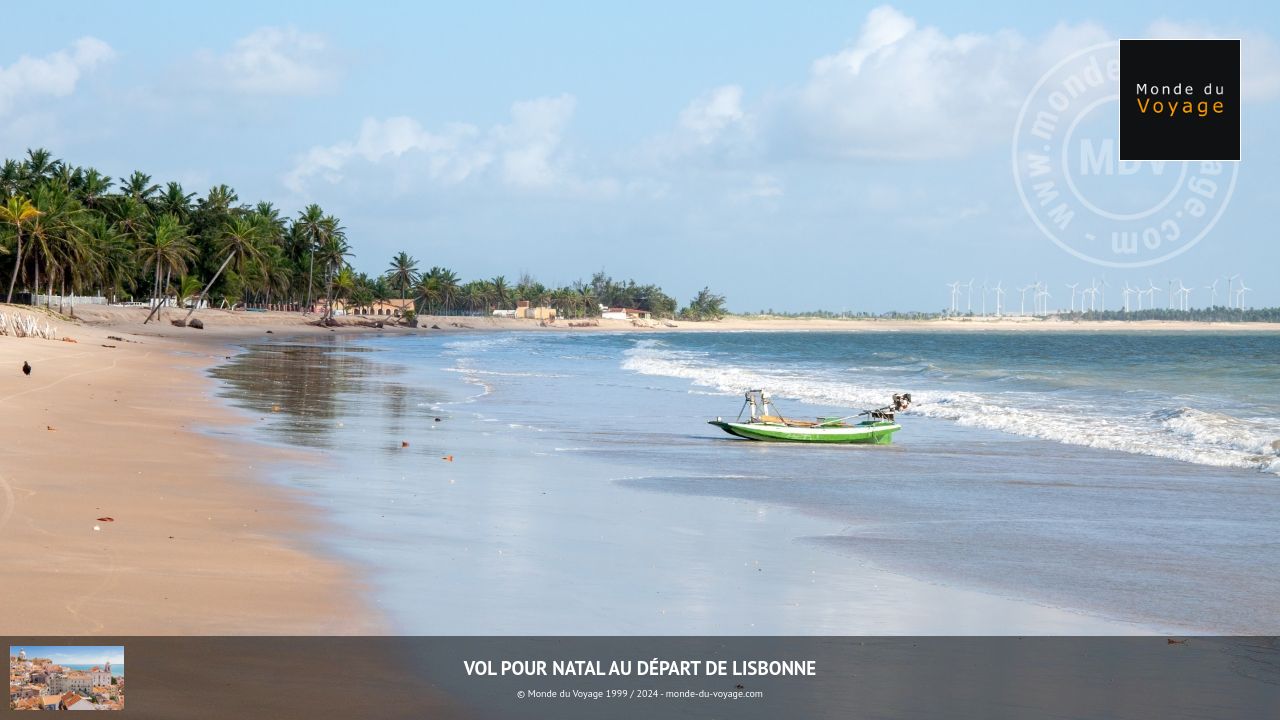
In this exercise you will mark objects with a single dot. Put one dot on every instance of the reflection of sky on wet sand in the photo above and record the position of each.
(310, 388)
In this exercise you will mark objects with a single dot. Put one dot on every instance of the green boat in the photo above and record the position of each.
(766, 423)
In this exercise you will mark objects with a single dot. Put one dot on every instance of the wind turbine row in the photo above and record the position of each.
(1093, 297)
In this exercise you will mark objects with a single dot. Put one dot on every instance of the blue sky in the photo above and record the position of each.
(726, 144)
(74, 654)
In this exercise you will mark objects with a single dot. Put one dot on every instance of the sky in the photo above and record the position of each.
(74, 654)
(842, 156)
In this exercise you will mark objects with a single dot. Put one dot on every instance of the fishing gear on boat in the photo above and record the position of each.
(901, 403)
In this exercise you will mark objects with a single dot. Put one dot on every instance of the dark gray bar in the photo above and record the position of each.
(900, 677)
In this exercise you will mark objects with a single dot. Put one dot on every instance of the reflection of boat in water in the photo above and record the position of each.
(765, 422)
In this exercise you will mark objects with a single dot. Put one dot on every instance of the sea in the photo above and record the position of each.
(116, 670)
(568, 483)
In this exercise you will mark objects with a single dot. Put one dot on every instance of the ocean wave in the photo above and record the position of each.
(1181, 433)
(499, 373)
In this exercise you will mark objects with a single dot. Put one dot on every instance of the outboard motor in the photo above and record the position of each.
(901, 402)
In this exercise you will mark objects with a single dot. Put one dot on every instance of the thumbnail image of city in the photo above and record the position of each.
(66, 677)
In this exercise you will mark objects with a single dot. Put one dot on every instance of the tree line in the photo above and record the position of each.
(70, 230)
(75, 230)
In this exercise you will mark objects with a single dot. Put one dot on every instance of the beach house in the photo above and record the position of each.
(624, 313)
(394, 307)
(524, 309)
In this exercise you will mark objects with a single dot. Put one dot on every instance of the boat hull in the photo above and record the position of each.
(878, 434)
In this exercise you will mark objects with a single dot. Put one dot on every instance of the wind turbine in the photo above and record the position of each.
(1073, 287)
(1128, 292)
(1230, 280)
(1213, 290)
(1103, 290)
(999, 298)
(984, 297)
(955, 291)
(1240, 294)
(1022, 303)
(969, 305)
(1042, 294)
(1151, 294)
(1184, 296)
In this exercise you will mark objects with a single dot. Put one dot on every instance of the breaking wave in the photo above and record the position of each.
(1179, 433)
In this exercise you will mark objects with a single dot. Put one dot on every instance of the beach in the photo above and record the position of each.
(269, 476)
(120, 424)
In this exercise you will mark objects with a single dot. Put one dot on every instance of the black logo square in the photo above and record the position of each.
(1179, 99)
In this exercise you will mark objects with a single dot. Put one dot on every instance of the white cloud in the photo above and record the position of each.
(524, 153)
(274, 61)
(1259, 57)
(54, 75)
(708, 116)
(903, 90)
(529, 143)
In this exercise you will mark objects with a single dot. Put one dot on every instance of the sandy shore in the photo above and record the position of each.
(110, 427)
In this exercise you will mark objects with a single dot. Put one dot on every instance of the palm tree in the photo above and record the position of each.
(92, 188)
(17, 211)
(501, 293)
(10, 178)
(403, 273)
(446, 285)
(139, 187)
(38, 167)
(311, 222)
(175, 201)
(55, 236)
(426, 293)
(345, 284)
(167, 249)
(188, 286)
(115, 267)
(332, 256)
(239, 243)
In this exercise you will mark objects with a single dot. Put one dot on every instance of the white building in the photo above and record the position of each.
(74, 681)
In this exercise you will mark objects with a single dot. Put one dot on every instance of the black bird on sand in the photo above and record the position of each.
(26, 368)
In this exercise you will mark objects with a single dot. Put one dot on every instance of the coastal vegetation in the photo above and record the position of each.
(67, 230)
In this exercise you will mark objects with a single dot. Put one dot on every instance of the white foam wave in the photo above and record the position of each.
(1181, 433)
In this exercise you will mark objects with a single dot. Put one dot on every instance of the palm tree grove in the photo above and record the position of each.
(70, 231)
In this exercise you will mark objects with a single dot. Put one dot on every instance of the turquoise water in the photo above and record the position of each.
(116, 670)
(1130, 478)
